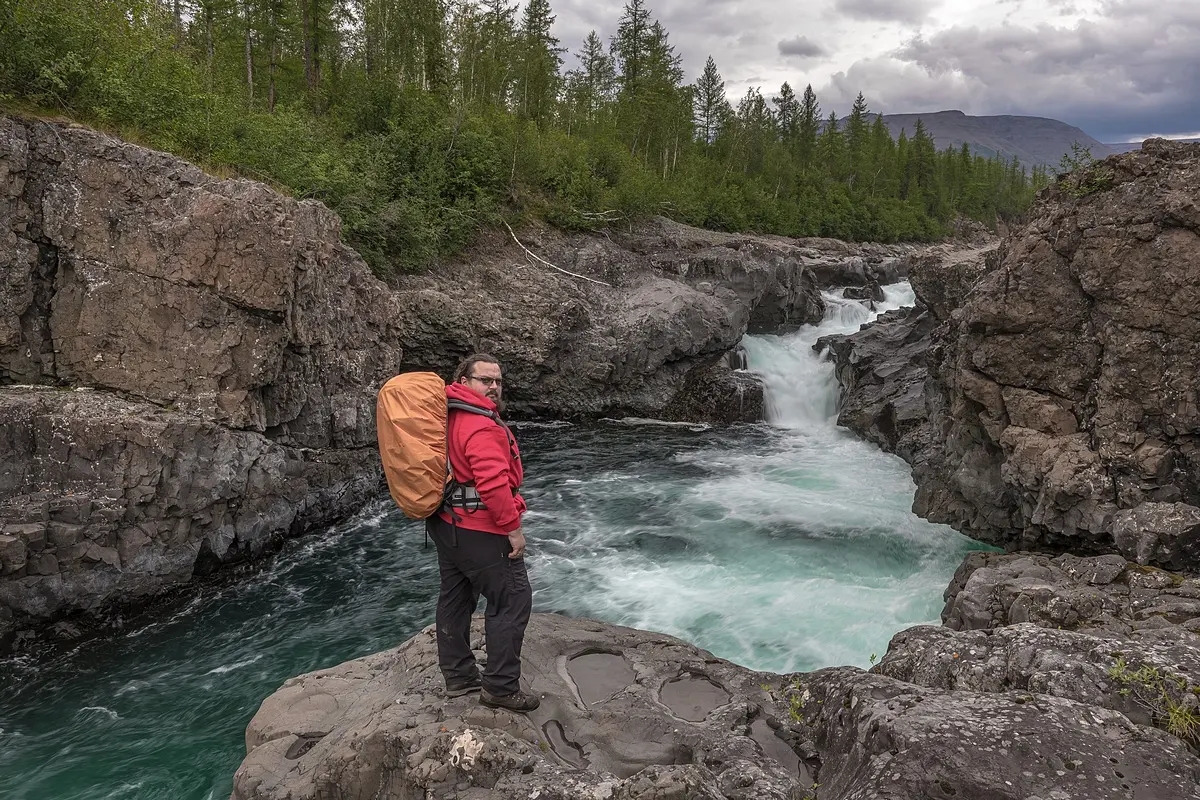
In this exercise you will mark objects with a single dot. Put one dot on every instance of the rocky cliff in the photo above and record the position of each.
(188, 364)
(186, 367)
(1060, 405)
(1069, 678)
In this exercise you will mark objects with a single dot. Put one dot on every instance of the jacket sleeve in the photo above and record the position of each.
(487, 453)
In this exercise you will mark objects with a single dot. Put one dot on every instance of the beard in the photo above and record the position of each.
(499, 403)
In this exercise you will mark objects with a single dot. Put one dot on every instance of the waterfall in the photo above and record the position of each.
(800, 386)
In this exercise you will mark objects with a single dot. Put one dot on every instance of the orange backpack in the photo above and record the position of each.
(410, 422)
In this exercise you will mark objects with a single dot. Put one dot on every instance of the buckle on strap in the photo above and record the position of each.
(464, 496)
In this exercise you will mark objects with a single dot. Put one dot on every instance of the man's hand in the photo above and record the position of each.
(517, 538)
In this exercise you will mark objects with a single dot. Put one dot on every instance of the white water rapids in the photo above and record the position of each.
(782, 547)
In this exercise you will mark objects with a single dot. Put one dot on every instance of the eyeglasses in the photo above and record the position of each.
(486, 381)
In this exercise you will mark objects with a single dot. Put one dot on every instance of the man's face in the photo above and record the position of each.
(487, 379)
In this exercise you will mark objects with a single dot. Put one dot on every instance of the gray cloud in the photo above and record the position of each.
(1131, 72)
(800, 46)
(1134, 70)
(910, 11)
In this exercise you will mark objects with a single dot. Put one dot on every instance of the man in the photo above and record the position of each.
(480, 544)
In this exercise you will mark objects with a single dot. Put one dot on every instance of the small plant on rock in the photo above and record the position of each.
(1174, 705)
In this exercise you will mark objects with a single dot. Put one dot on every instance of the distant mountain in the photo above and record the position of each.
(1033, 140)
(1125, 147)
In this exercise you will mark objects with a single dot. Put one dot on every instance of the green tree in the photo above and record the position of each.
(808, 127)
(591, 88)
(540, 59)
(710, 103)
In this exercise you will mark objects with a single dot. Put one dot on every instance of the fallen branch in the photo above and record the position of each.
(539, 259)
(612, 215)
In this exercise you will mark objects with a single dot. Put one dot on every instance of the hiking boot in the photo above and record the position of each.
(517, 701)
(465, 687)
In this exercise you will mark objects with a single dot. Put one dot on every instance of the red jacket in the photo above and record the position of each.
(483, 452)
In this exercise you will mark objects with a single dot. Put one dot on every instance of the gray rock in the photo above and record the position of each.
(883, 738)
(871, 293)
(630, 714)
(624, 714)
(232, 347)
(1159, 533)
(1100, 631)
(1060, 384)
(882, 380)
(1055, 381)
(232, 495)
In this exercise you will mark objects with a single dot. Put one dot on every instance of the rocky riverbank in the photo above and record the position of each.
(1045, 393)
(1053, 678)
(188, 364)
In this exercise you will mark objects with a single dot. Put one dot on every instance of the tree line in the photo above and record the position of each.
(421, 121)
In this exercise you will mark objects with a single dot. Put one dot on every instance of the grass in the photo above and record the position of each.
(1170, 699)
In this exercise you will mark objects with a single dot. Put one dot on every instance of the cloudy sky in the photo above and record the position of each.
(1119, 69)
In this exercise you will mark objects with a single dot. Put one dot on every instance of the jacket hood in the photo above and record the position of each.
(460, 391)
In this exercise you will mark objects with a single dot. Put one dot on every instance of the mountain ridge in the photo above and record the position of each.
(1034, 141)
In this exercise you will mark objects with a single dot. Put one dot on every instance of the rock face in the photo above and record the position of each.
(651, 342)
(1059, 376)
(881, 373)
(107, 498)
(232, 347)
(630, 714)
(882, 368)
(1066, 381)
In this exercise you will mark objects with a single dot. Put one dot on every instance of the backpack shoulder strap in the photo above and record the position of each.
(462, 405)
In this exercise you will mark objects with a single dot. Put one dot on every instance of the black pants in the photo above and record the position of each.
(475, 563)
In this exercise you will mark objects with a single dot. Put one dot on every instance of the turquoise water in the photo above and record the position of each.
(784, 547)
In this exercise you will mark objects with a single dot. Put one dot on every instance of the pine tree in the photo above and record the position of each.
(630, 45)
(856, 141)
(541, 58)
(664, 107)
(592, 87)
(787, 113)
(710, 103)
(807, 128)
(832, 148)
(495, 75)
